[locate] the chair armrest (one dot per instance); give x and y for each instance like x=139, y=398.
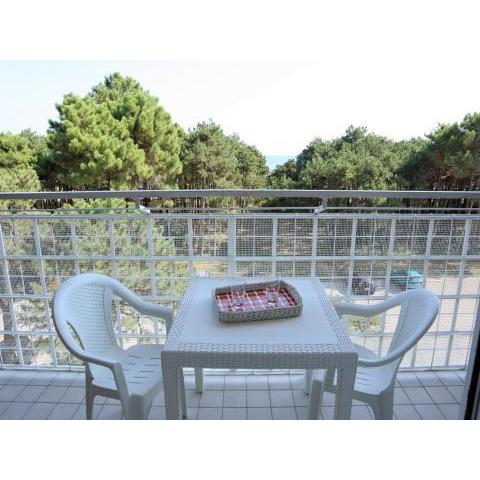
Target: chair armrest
x=370, y=310
x=154, y=310
x=360, y=310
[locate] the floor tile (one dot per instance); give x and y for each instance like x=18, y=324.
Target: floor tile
x=39, y=411
x=361, y=412
x=189, y=381
x=192, y=413
x=429, y=379
x=297, y=382
x=213, y=382
x=429, y=412
x=112, y=412
x=22, y=378
x=61, y=395
x=78, y=380
x=234, y=414
x=156, y=413
x=281, y=398
x=8, y=393
x=284, y=413
x=3, y=407
x=233, y=382
x=256, y=413
x=193, y=398
x=81, y=414
x=450, y=378
x=408, y=379
x=5, y=376
x=418, y=395
x=279, y=382
x=450, y=411
x=16, y=410
x=235, y=398
x=211, y=398
x=63, y=379
x=400, y=397
x=457, y=392
x=258, y=398
x=52, y=394
x=257, y=382
x=209, y=414
x=73, y=395
x=440, y=394
x=30, y=393
x=42, y=378
x=63, y=411
x=302, y=413
x=300, y=399
x=406, y=412
x=327, y=413
x=328, y=399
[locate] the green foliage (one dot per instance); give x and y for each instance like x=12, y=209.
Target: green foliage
x=212, y=159
x=450, y=160
x=357, y=160
x=118, y=136
x=18, y=156
x=284, y=176
x=208, y=159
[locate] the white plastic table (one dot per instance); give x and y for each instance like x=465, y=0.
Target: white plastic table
x=315, y=339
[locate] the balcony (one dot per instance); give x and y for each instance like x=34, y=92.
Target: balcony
x=156, y=251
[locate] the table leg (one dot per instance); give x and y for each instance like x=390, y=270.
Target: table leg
x=171, y=380
x=199, y=380
x=344, y=392
x=181, y=390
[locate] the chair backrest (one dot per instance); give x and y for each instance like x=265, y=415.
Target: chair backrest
x=84, y=304
x=418, y=310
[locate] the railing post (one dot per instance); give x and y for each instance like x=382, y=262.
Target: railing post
x=232, y=245
x=274, y=245
x=11, y=303
x=73, y=235
x=352, y=256
x=391, y=244
x=118, y=312
x=313, y=265
x=461, y=273
x=43, y=287
x=153, y=276
x=190, y=246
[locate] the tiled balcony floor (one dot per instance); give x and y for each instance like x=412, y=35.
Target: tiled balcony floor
x=58, y=395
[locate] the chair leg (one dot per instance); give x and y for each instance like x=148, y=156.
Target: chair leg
x=308, y=381
x=89, y=398
x=382, y=405
x=317, y=390
x=183, y=398
x=386, y=404
x=198, y=380
x=316, y=395
x=138, y=408
x=330, y=377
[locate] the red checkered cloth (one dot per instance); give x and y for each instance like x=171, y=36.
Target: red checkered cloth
x=255, y=300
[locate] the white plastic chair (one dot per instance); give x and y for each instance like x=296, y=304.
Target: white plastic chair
x=375, y=378
x=83, y=305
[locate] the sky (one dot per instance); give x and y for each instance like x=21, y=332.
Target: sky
x=279, y=106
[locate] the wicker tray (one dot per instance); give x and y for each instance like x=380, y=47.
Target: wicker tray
x=255, y=307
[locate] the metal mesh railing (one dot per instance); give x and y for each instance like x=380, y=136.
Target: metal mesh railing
x=156, y=254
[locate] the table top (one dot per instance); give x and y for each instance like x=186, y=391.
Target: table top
x=318, y=329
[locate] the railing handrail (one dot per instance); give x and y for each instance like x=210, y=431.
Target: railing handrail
x=240, y=193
